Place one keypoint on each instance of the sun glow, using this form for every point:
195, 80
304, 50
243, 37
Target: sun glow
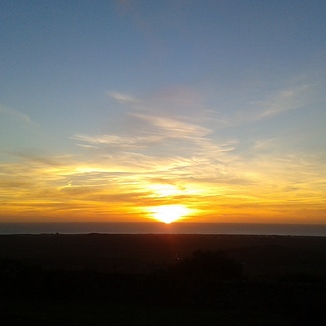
163, 190
169, 213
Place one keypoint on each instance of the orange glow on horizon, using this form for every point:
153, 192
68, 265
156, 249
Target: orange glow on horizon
80, 193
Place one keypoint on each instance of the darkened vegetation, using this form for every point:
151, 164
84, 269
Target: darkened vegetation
209, 265
259, 281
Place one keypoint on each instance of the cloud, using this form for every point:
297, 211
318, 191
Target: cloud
160, 125
264, 144
123, 98
36, 158
165, 143
243, 109
285, 100
166, 157
117, 141
21, 117
121, 185
174, 128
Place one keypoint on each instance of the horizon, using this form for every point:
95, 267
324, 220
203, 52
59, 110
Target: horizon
175, 111
157, 228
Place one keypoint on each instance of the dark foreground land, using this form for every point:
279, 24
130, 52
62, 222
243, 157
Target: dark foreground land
98, 279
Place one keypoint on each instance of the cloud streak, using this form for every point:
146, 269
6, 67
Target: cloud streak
117, 141
174, 128
19, 116
285, 100
167, 159
108, 188
123, 98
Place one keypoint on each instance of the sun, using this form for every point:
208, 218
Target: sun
169, 213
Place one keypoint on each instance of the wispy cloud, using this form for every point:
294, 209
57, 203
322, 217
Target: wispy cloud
19, 116
123, 98
118, 141
167, 158
285, 100
36, 158
160, 124
175, 128
121, 185
264, 106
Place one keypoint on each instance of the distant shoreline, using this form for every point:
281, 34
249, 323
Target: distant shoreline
161, 228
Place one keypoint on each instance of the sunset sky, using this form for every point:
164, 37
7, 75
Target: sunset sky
201, 111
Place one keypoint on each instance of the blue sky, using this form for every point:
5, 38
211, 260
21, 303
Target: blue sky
216, 106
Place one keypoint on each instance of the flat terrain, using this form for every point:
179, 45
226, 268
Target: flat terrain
103, 279
261, 255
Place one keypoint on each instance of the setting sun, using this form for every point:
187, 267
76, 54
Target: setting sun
169, 213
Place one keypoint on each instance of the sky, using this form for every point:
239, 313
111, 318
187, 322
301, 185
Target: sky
134, 111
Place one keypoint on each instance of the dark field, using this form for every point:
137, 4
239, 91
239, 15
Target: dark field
99, 279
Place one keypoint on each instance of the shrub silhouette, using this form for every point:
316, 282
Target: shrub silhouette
209, 264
